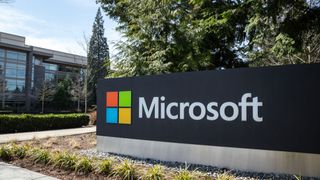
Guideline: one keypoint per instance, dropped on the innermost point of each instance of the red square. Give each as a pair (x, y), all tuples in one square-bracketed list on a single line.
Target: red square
[(112, 99)]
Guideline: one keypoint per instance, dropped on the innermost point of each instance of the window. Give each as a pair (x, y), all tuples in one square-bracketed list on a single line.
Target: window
[(15, 86), (16, 56), (21, 73), (49, 76), (12, 65), (12, 73), (37, 61), (22, 57), (51, 67), (1, 53), (12, 55)]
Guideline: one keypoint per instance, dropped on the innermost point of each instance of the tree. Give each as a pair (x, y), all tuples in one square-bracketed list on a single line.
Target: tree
[(172, 36), (45, 93), (62, 97), (279, 31), (77, 89), (98, 55)]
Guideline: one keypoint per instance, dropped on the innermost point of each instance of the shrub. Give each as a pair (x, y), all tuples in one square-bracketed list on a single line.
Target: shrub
[(154, 173), (19, 151), (65, 160), (184, 174), (27, 122), (104, 166), (225, 176), (125, 169), (40, 156), (6, 153), (93, 118), (84, 165)]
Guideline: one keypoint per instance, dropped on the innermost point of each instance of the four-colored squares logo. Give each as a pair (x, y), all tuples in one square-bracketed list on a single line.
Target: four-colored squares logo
[(118, 107)]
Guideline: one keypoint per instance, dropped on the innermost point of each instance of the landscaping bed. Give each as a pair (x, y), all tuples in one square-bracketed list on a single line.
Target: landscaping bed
[(75, 157)]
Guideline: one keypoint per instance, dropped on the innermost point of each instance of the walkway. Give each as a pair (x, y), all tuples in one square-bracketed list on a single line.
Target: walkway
[(4, 138), (8, 171)]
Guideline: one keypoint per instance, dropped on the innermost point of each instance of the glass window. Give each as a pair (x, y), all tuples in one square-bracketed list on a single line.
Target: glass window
[(10, 86), (1, 53), (21, 73), (49, 76), (20, 82), (19, 88), (11, 73), (21, 66), (22, 56), (11, 65), (12, 55), (52, 67), (37, 61), (15, 86)]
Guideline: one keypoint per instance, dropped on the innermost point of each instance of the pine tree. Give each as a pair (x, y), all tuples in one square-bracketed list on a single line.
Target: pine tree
[(98, 57)]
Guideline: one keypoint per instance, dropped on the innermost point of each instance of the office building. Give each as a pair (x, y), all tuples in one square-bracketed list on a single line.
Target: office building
[(25, 68)]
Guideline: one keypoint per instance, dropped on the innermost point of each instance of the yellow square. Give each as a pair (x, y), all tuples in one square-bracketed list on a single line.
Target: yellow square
[(124, 115)]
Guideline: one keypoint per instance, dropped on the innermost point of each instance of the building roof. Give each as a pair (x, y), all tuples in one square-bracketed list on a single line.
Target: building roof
[(18, 42)]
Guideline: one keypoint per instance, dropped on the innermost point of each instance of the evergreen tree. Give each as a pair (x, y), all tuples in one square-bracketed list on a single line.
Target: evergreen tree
[(169, 36), (98, 57), (62, 98)]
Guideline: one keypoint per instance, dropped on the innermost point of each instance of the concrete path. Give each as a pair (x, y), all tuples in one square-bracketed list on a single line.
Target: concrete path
[(5, 138), (8, 171)]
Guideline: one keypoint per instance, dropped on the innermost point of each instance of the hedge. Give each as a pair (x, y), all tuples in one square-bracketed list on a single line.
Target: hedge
[(29, 122)]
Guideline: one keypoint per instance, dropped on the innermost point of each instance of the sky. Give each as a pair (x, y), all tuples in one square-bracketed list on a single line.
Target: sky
[(55, 24)]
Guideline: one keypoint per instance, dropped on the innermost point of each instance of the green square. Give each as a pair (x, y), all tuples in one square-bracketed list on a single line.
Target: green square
[(125, 98)]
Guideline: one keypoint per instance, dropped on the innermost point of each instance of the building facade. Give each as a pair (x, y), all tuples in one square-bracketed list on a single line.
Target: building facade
[(24, 69)]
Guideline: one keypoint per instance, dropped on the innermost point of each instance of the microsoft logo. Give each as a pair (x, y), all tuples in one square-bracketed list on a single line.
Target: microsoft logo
[(118, 107)]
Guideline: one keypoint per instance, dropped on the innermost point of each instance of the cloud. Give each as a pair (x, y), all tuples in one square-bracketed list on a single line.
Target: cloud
[(58, 44), (14, 21), (40, 33)]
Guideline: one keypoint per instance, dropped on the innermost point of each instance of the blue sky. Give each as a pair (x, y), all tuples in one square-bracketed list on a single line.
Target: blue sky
[(55, 24)]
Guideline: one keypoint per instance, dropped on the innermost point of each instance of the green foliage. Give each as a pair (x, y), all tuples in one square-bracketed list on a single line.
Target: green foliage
[(125, 169), (184, 174), (6, 153), (28, 122), (20, 151), (62, 97), (84, 165), (40, 156), (296, 177), (65, 160), (104, 166), (174, 36), (98, 57), (225, 176), (154, 173)]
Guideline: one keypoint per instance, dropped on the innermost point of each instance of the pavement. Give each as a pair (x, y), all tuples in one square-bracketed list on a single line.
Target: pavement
[(10, 172), (5, 138)]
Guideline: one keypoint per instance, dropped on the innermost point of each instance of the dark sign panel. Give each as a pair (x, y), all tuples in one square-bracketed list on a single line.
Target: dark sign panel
[(272, 108)]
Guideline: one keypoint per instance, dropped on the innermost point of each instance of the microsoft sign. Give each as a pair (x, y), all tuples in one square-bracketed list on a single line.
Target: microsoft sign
[(163, 110), (270, 108)]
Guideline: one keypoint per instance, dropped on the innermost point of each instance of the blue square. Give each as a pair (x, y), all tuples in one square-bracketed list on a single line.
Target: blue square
[(112, 115)]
